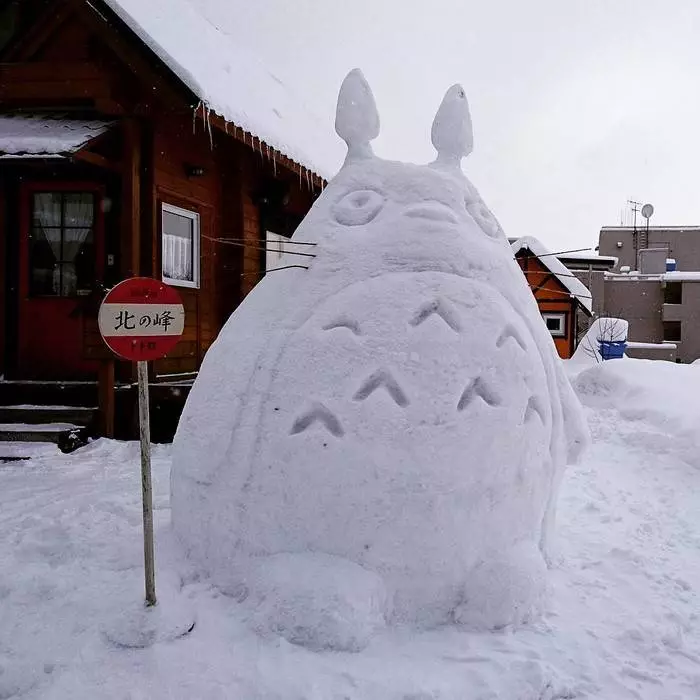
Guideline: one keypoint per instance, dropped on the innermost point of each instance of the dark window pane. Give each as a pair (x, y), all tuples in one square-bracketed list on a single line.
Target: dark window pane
[(672, 331), (673, 293)]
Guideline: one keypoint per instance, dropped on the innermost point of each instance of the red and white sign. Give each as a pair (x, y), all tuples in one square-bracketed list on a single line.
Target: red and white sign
[(141, 319)]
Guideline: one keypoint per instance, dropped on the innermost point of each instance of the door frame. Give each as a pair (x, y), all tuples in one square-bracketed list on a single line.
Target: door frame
[(26, 190)]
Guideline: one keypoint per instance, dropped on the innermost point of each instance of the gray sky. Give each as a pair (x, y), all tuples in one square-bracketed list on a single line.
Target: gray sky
[(578, 105)]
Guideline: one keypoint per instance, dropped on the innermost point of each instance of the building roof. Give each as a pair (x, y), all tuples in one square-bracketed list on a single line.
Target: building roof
[(45, 137), (642, 228), (230, 81), (569, 281)]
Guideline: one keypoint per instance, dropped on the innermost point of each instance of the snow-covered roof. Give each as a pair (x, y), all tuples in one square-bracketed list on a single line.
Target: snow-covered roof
[(576, 288), (581, 255), (673, 276), (231, 81), (45, 137)]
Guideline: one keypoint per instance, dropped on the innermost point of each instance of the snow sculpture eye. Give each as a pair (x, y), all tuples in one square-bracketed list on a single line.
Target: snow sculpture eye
[(357, 208)]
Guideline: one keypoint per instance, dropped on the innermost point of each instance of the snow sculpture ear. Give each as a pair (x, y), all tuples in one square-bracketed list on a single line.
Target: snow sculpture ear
[(452, 129), (356, 116)]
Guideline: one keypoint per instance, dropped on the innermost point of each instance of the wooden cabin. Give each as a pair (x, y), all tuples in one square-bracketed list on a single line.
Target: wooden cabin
[(118, 160), (559, 293)]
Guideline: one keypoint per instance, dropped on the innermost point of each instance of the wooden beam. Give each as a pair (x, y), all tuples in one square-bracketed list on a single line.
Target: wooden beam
[(106, 398), (131, 199), (27, 45), (258, 146), (133, 53), (97, 160), (51, 81)]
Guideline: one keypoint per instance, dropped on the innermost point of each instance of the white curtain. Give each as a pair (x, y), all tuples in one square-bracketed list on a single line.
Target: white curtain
[(177, 257), (78, 217), (47, 218)]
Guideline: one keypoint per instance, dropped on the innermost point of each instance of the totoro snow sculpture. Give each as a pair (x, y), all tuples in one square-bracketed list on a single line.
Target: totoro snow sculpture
[(379, 439)]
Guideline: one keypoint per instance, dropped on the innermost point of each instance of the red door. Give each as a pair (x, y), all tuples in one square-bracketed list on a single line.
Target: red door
[(61, 259)]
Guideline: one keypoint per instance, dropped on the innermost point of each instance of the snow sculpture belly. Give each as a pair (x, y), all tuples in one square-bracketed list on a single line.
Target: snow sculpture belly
[(380, 437), (408, 411)]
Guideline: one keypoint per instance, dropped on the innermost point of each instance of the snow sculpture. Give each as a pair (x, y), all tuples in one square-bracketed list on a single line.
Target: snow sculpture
[(379, 438)]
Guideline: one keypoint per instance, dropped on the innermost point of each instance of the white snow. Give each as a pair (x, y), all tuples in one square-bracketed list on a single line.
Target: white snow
[(620, 623), (231, 81), (636, 276), (400, 405), (577, 288), (38, 427), (42, 136)]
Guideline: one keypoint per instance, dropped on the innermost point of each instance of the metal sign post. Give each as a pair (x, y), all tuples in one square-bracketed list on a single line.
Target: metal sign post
[(142, 319), (146, 488)]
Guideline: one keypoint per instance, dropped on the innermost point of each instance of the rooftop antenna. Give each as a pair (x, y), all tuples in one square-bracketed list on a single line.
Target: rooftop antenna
[(647, 213), (635, 208)]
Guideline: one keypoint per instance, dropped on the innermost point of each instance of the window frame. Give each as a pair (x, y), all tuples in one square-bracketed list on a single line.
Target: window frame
[(28, 211), (561, 317), (195, 217)]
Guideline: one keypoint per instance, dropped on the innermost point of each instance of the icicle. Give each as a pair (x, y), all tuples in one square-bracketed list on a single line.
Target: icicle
[(299, 176), (356, 117), (194, 117), (308, 180), (451, 133), (274, 162), (207, 121)]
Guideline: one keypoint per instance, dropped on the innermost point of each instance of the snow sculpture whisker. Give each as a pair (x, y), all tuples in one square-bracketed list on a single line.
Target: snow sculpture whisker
[(477, 388), (318, 414), (382, 378), (441, 308)]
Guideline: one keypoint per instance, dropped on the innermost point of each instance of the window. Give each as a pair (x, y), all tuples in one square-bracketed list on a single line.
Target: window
[(673, 293), (556, 324), (62, 244), (672, 331), (180, 263)]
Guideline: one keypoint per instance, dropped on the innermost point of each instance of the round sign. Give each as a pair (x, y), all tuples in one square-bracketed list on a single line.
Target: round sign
[(141, 319)]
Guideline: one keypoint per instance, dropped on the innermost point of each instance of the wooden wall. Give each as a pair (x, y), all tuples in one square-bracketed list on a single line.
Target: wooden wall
[(86, 64), (175, 148), (552, 297)]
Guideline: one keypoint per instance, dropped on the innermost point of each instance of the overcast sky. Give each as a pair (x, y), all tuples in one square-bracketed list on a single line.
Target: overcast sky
[(578, 105)]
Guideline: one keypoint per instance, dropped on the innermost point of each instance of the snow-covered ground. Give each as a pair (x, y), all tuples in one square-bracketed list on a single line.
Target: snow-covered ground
[(622, 619)]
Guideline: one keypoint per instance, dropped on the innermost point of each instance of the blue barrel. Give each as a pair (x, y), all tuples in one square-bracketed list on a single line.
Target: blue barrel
[(612, 349)]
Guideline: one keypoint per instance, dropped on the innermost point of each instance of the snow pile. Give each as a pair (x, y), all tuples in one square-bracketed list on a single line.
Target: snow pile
[(45, 136), (663, 393), (621, 620), (398, 406), (606, 329), (229, 80)]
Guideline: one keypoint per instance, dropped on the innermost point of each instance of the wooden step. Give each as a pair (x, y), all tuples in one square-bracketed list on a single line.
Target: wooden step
[(28, 413), (21, 451), (48, 393), (67, 436)]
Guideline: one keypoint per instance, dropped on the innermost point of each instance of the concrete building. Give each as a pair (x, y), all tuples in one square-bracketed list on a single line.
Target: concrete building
[(655, 286)]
